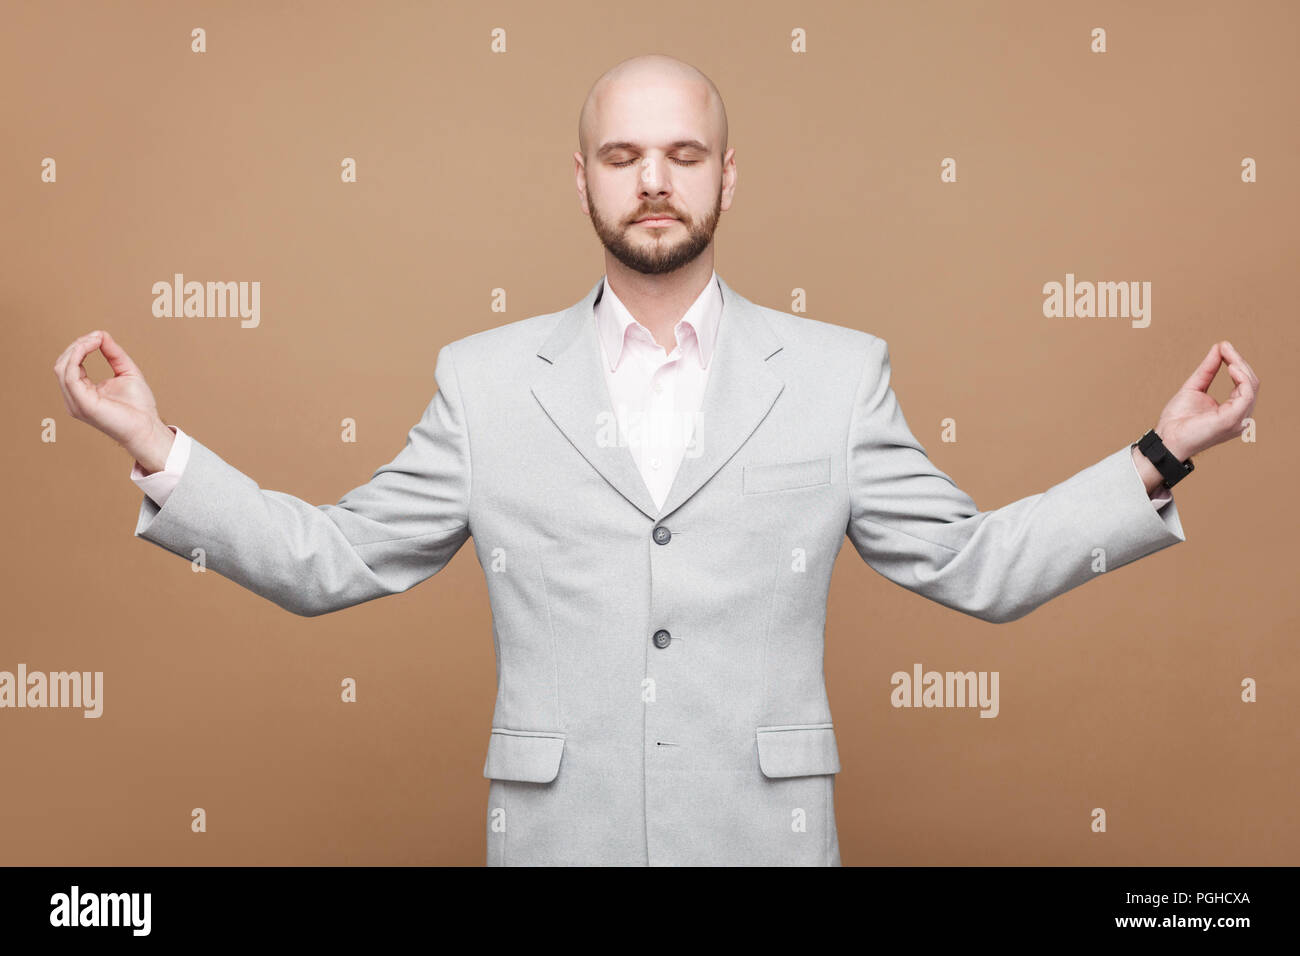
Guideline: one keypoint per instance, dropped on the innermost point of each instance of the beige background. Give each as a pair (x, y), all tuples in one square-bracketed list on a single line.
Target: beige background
[(1123, 694)]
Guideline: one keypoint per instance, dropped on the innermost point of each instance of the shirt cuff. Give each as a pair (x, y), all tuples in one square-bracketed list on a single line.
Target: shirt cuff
[(161, 483)]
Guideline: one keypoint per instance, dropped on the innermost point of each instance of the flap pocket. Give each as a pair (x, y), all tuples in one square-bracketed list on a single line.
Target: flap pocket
[(797, 750), (529, 755), (781, 476)]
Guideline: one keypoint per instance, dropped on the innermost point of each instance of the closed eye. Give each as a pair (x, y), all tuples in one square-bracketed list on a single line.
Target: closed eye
[(679, 162)]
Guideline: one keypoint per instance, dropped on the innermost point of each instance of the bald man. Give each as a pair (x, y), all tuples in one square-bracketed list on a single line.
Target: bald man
[(657, 480)]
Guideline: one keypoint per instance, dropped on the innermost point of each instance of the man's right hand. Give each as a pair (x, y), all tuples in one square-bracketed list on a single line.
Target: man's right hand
[(122, 407)]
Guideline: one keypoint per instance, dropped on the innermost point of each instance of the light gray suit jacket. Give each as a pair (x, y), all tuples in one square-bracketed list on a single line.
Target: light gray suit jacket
[(661, 698)]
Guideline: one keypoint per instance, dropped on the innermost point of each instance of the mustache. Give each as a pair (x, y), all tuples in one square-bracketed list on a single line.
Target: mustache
[(652, 213)]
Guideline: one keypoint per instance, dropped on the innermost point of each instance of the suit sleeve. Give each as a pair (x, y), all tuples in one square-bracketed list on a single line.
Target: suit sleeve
[(381, 538), (911, 523)]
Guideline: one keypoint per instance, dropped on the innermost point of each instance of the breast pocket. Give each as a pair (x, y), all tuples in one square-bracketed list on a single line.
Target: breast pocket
[(786, 475)]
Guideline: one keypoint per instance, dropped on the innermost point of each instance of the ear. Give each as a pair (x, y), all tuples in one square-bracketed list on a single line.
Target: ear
[(728, 178), (580, 180)]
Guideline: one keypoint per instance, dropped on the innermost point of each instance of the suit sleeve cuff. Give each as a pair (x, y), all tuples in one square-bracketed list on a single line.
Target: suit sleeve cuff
[(1162, 500), (160, 484)]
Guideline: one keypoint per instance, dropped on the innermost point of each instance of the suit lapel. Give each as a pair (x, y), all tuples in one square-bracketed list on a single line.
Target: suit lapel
[(741, 389), (571, 389)]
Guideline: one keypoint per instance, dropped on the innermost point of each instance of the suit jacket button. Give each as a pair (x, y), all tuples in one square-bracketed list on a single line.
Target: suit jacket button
[(662, 535), (662, 638)]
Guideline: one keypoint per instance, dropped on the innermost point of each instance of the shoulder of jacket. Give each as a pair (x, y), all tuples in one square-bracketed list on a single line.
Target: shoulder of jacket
[(520, 338), (814, 334)]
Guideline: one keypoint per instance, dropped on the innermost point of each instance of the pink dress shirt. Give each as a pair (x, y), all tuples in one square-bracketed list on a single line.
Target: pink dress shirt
[(655, 395)]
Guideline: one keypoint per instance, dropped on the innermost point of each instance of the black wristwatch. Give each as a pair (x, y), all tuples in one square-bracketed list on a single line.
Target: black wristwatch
[(1170, 467)]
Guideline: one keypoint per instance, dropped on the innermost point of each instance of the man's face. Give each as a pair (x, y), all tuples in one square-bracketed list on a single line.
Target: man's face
[(655, 246), (654, 186)]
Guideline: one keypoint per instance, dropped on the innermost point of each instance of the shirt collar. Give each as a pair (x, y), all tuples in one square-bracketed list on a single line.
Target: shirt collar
[(613, 321)]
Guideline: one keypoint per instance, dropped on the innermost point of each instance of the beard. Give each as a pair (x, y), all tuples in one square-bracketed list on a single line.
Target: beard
[(657, 254)]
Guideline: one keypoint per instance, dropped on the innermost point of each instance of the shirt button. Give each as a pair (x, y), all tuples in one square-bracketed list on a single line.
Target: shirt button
[(662, 535), (662, 638), (659, 388), (654, 463)]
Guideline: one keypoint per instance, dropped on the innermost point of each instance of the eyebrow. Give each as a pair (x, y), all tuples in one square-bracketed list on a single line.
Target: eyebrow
[(608, 148)]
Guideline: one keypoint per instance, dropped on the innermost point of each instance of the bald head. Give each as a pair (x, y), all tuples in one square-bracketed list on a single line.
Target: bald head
[(645, 84)]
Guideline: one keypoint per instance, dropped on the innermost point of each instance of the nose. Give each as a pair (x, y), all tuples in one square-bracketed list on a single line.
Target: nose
[(654, 179)]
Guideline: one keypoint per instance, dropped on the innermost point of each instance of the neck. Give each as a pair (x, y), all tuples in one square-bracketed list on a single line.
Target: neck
[(659, 301)]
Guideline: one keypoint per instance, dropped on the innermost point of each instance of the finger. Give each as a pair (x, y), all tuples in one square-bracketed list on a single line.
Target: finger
[(78, 387), (63, 358), (74, 376), (1242, 397), (77, 351), (118, 360), (67, 400), (63, 393), (1200, 379), (1227, 348), (1238, 374), (61, 371), (60, 364)]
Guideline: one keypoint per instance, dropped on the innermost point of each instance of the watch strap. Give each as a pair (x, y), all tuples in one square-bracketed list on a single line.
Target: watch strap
[(1170, 468)]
